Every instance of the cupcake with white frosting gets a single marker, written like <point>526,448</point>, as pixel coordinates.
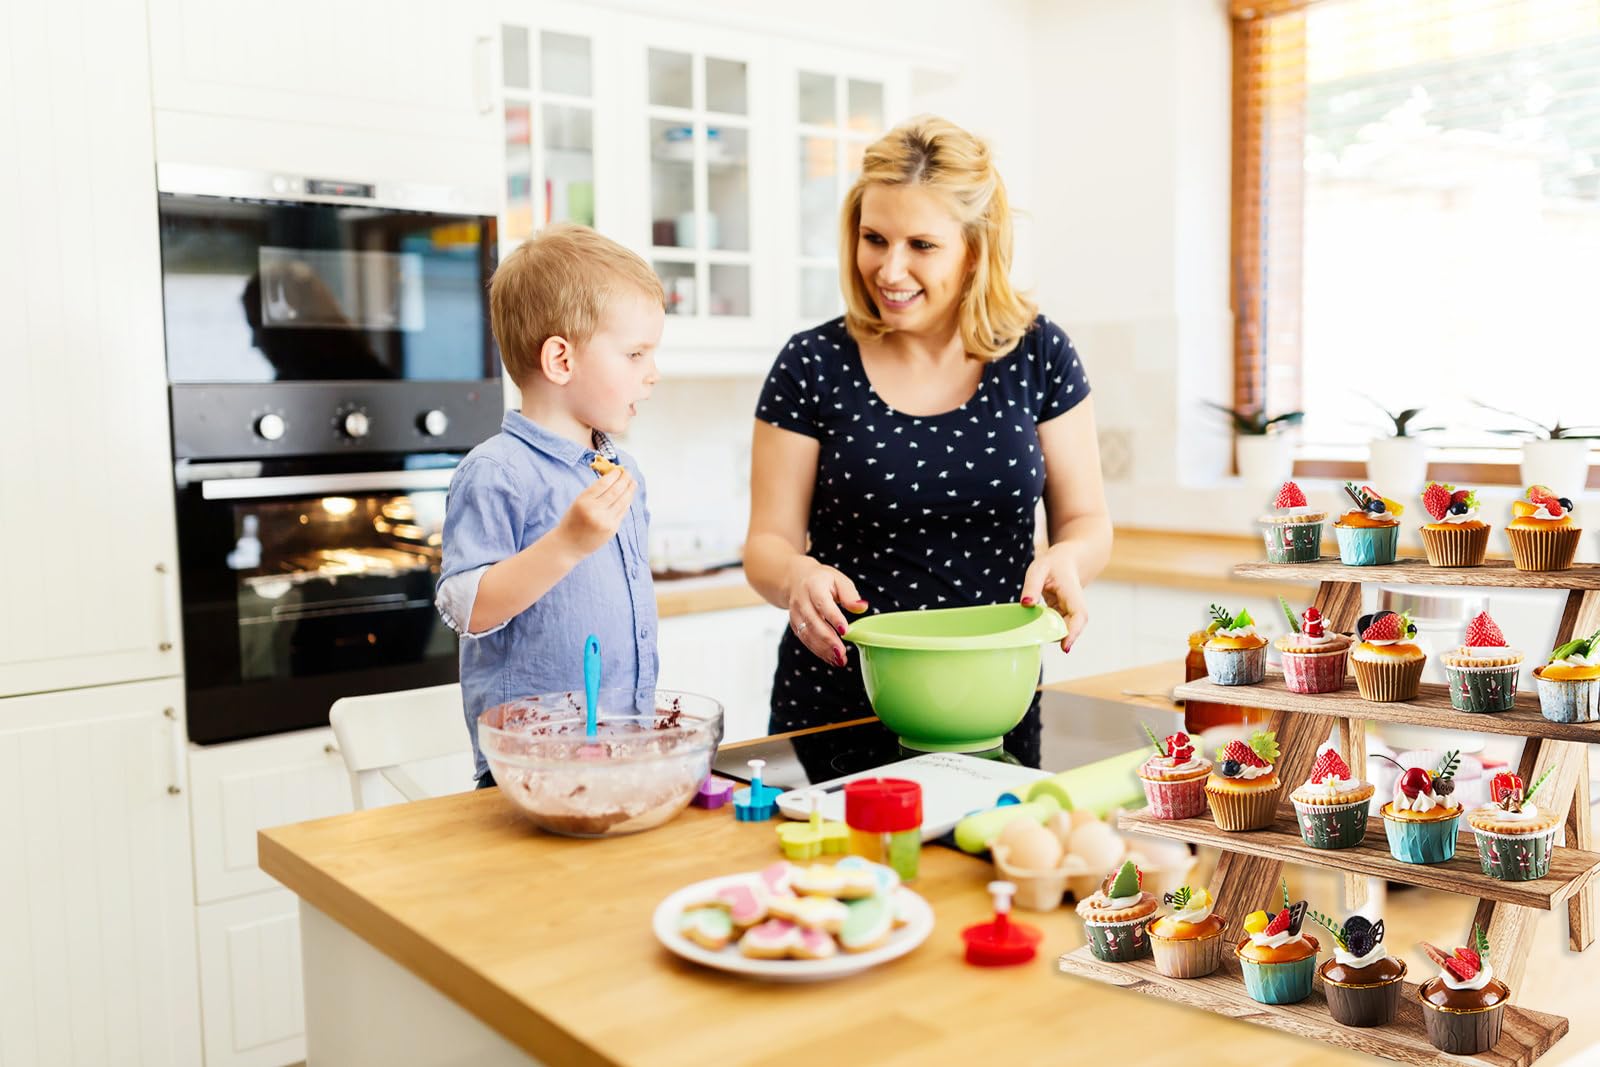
<point>1331,807</point>
<point>1569,684</point>
<point>1278,959</point>
<point>1424,817</point>
<point>1316,659</point>
<point>1362,982</point>
<point>1292,530</point>
<point>1235,653</point>
<point>1187,941</point>
<point>1464,1007</point>
<point>1482,673</point>
<point>1515,835</point>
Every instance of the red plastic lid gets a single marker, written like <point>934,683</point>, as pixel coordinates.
<point>883,805</point>
<point>1001,942</point>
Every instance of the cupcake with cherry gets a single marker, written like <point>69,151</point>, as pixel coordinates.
<point>1464,1006</point>
<point>1542,533</point>
<point>1368,533</point>
<point>1482,673</point>
<point>1278,958</point>
<point>1331,807</point>
<point>1187,941</point>
<point>1174,778</point>
<point>1455,537</point>
<point>1316,659</point>
<point>1243,787</point>
<point>1235,654</point>
<point>1362,982</point>
<point>1292,530</point>
<point>1115,917</point>
<point>1515,835</point>
<point>1569,683</point>
<point>1387,662</point>
<point>1422,819</point>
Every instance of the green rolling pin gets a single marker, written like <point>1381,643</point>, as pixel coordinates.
<point>974,833</point>
<point>1100,787</point>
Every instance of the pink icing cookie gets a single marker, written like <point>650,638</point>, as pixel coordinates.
<point>777,877</point>
<point>814,945</point>
<point>772,940</point>
<point>746,901</point>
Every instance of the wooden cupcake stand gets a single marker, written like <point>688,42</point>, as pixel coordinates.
<point>1248,873</point>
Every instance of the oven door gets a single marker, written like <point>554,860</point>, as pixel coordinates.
<point>298,589</point>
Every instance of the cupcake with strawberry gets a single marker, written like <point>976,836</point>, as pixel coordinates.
<point>1277,959</point>
<point>1482,673</point>
<point>1388,664</point>
<point>1175,778</point>
<point>1362,982</point>
<point>1542,534</point>
<point>1369,532</point>
<point>1315,658</point>
<point>1243,787</point>
<point>1187,941</point>
<point>1464,1007</point>
<point>1569,684</point>
<point>1292,530</point>
<point>1424,817</point>
<point>1515,835</point>
<point>1331,806</point>
<point>1235,654</point>
<point>1114,918</point>
<point>1455,537</point>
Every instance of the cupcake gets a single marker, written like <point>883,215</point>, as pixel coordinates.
<point>1235,653</point>
<point>1422,820</point>
<point>1187,941</point>
<point>1292,531</point>
<point>1277,960</point>
<point>1455,537</point>
<point>1569,684</point>
<point>1175,778</point>
<point>1515,836</point>
<point>1464,1006</point>
<point>1542,534</point>
<point>1331,807</point>
<point>1369,532</point>
<point>1362,982</point>
<point>1388,666</point>
<point>1315,659</point>
<point>1243,787</point>
<point>1482,673</point>
<point>1114,918</point>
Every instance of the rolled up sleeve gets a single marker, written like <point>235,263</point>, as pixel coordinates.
<point>482,523</point>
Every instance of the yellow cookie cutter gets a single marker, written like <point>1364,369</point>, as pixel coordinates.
<point>814,837</point>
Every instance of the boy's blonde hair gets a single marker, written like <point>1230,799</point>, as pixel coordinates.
<point>939,155</point>
<point>557,283</point>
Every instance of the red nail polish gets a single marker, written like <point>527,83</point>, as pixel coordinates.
<point>1027,601</point>
<point>840,629</point>
<point>838,656</point>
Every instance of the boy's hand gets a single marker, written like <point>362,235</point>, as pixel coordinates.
<point>593,518</point>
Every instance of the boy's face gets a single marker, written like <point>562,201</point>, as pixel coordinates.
<point>616,368</point>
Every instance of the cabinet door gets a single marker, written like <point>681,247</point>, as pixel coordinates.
<point>251,992</point>
<point>729,656</point>
<point>86,483</point>
<point>96,920</point>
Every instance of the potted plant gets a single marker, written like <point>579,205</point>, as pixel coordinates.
<point>1556,455</point>
<point>1398,461</point>
<point>1264,450</point>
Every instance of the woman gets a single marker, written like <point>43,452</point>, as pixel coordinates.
<point>911,440</point>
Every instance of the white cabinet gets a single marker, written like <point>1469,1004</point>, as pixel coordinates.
<point>729,656</point>
<point>86,482</point>
<point>97,937</point>
<point>251,992</point>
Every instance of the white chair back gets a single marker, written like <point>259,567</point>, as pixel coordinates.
<point>381,735</point>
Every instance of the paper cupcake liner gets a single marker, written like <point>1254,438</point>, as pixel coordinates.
<point>1463,1033</point>
<point>1569,701</point>
<point>1366,546</point>
<point>1292,542</point>
<point>1455,547</point>
<point>1543,550</point>
<point>1278,983</point>
<point>1482,688</point>
<point>1316,672</point>
<point>1422,842</point>
<point>1193,957</point>
<point>1237,666</point>
<point>1382,681</point>
<point>1515,857</point>
<point>1254,810</point>
<point>1118,942</point>
<point>1332,825</point>
<point>1176,800</point>
<point>1363,1005</point>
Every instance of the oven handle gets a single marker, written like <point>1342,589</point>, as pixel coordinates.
<point>323,484</point>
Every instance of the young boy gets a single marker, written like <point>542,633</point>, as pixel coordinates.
<point>541,548</point>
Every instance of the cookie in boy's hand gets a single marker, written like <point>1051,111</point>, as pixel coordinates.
<point>603,466</point>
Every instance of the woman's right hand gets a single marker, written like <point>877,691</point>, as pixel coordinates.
<point>816,594</point>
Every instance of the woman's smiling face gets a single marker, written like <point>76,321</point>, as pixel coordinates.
<point>912,256</point>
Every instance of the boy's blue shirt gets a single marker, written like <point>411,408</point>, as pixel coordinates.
<point>507,493</point>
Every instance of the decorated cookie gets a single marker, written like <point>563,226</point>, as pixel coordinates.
<point>813,913</point>
<point>814,945</point>
<point>707,926</point>
<point>868,925</point>
<point>884,879</point>
<point>772,940</point>
<point>746,901</point>
<point>841,882</point>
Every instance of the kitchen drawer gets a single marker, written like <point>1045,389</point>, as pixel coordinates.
<point>252,998</point>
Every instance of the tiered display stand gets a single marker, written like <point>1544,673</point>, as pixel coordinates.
<point>1248,874</point>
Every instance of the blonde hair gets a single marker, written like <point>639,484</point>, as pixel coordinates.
<point>558,283</point>
<point>937,154</point>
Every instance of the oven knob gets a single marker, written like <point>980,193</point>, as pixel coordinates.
<point>356,424</point>
<point>433,423</point>
<point>270,427</point>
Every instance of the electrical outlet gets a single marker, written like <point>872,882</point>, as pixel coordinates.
<point>1116,455</point>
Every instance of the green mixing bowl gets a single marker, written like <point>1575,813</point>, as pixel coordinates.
<point>955,679</point>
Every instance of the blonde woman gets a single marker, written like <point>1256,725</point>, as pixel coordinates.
<point>900,451</point>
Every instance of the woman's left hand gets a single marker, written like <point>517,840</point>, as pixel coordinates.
<point>1053,580</point>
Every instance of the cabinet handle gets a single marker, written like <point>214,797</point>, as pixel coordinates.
<point>482,73</point>
<point>175,732</point>
<point>330,749</point>
<point>164,635</point>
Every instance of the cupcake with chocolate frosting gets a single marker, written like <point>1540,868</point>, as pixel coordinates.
<point>1464,1007</point>
<point>1362,982</point>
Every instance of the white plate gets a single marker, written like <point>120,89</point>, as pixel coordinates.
<point>901,941</point>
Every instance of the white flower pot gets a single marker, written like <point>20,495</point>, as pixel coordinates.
<point>1397,467</point>
<point>1265,461</point>
<point>1560,464</point>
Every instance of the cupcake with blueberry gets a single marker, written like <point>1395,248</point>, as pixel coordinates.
<point>1569,684</point>
<point>1423,818</point>
<point>1455,537</point>
<point>1369,532</point>
<point>1315,658</point>
<point>1387,662</point>
<point>1464,1007</point>
<point>1243,787</point>
<point>1175,777</point>
<point>1331,807</point>
<point>1292,530</point>
<point>1114,918</point>
<point>1515,835</point>
<point>1542,533</point>
<point>1482,673</point>
<point>1362,982</point>
<point>1277,958</point>
<point>1235,653</point>
<point>1187,941</point>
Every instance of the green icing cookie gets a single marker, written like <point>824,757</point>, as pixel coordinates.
<point>869,920</point>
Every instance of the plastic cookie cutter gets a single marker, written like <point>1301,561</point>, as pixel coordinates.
<point>814,837</point>
<point>757,801</point>
<point>713,793</point>
<point>1001,942</point>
